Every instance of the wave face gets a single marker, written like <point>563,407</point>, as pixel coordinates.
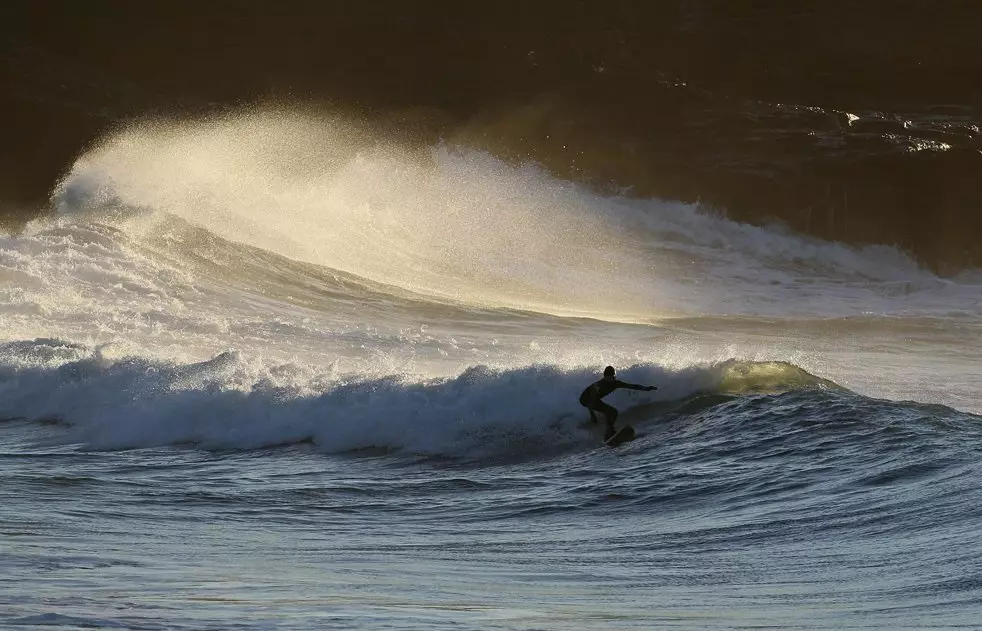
<point>273,331</point>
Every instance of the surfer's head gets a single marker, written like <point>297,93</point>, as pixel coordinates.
<point>609,372</point>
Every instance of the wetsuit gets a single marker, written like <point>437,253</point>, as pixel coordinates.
<point>591,399</point>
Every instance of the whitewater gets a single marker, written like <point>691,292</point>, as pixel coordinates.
<point>271,369</point>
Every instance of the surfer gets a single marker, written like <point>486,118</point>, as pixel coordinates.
<point>591,398</point>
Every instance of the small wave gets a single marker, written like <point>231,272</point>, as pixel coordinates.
<point>232,401</point>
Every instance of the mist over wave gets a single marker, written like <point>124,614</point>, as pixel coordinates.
<point>754,110</point>
<point>325,192</point>
<point>459,224</point>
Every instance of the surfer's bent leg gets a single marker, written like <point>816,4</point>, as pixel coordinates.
<point>587,402</point>
<point>596,405</point>
<point>609,412</point>
<point>610,415</point>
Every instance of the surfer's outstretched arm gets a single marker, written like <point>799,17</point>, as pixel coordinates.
<point>634,386</point>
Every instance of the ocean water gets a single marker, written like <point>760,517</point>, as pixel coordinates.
<point>269,370</point>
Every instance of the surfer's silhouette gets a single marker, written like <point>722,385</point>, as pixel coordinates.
<point>591,398</point>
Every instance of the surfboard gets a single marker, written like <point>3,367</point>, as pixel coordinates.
<point>622,435</point>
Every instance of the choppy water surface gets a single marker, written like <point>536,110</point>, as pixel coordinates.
<point>255,379</point>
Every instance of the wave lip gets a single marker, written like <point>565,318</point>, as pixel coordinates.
<point>744,377</point>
